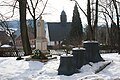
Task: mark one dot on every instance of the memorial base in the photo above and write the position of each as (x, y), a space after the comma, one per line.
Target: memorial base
(67, 66)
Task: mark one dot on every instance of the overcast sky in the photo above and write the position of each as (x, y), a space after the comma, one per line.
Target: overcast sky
(58, 5)
(53, 10)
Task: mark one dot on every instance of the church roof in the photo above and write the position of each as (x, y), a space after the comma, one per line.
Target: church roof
(58, 31)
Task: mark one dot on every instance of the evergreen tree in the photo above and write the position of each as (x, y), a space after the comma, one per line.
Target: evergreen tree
(76, 32)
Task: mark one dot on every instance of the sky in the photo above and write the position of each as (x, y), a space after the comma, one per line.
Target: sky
(53, 10)
(65, 5)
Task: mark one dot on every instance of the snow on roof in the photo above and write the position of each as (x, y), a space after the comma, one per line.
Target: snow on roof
(5, 45)
(90, 42)
(68, 55)
(78, 48)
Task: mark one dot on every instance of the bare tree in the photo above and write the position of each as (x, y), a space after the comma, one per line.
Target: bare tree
(118, 28)
(33, 11)
(96, 20)
(11, 6)
(106, 8)
(5, 26)
(23, 27)
(33, 8)
(89, 19)
(111, 9)
(108, 30)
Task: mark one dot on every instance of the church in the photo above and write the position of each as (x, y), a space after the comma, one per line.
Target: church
(58, 31)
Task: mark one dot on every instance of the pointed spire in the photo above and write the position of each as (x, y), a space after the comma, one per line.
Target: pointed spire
(63, 17)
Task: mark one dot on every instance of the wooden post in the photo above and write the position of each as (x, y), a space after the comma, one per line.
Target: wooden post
(67, 66)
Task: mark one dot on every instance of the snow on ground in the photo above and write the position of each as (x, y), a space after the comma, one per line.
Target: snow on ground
(11, 69)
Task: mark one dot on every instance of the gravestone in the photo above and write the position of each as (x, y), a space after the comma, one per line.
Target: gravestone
(41, 40)
(92, 51)
(79, 57)
(67, 66)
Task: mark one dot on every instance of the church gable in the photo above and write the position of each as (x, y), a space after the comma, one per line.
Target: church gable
(58, 31)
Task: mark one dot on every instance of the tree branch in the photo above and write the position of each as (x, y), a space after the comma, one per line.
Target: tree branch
(43, 9)
(28, 7)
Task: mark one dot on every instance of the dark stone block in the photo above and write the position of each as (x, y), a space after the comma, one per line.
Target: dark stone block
(67, 66)
(79, 57)
(92, 51)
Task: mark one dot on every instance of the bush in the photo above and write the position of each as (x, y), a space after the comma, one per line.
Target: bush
(36, 54)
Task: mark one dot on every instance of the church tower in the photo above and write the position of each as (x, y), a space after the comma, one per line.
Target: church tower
(63, 17)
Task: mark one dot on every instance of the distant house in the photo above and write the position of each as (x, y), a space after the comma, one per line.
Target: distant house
(58, 31)
(18, 40)
(4, 38)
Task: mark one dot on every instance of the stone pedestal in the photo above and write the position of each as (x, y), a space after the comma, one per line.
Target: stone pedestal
(41, 44)
(79, 57)
(41, 40)
(67, 66)
(92, 51)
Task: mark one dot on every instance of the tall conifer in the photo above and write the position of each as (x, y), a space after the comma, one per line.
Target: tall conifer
(76, 33)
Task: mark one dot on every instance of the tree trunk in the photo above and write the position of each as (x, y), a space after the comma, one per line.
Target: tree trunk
(89, 20)
(23, 27)
(35, 30)
(118, 29)
(96, 21)
(108, 31)
(34, 19)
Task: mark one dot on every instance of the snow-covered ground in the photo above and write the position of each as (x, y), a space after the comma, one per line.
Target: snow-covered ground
(11, 69)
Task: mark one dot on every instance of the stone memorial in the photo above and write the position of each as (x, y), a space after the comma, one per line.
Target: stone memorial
(41, 40)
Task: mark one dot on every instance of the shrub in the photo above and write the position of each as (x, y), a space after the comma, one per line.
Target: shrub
(36, 54)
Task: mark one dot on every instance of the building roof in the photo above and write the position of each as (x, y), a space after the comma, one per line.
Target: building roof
(17, 34)
(4, 38)
(58, 31)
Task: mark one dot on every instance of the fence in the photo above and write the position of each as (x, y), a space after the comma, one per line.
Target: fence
(11, 52)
